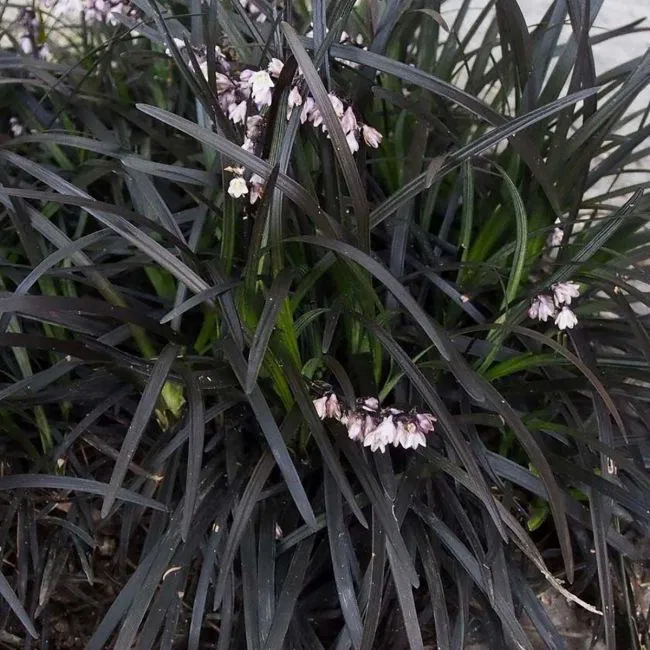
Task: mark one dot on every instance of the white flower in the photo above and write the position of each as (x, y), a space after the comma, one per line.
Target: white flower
(348, 121)
(203, 67)
(315, 116)
(371, 136)
(425, 422)
(307, 108)
(257, 188)
(261, 84)
(44, 52)
(294, 99)
(541, 308)
(564, 292)
(254, 126)
(178, 42)
(246, 75)
(237, 112)
(356, 425)
(320, 405)
(333, 408)
(352, 141)
(555, 238)
(328, 406)
(566, 319)
(17, 129)
(408, 436)
(26, 44)
(223, 82)
(237, 187)
(248, 145)
(344, 37)
(370, 404)
(275, 67)
(382, 435)
(337, 104)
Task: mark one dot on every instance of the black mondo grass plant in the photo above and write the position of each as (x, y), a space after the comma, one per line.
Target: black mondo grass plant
(322, 325)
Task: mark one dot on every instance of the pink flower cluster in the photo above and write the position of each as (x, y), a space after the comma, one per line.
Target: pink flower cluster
(244, 97)
(556, 306)
(375, 427)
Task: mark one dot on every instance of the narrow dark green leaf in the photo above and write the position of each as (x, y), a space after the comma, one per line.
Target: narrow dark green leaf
(382, 505)
(521, 221)
(205, 296)
(272, 434)
(138, 423)
(250, 591)
(431, 566)
(277, 295)
(202, 586)
(477, 146)
(266, 553)
(241, 518)
(340, 563)
(49, 482)
(471, 566)
(113, 220)
(291, 588)
(173, 173)
(406, 601)
(373, 585)
(196, 429)
(438, 336)
(16, 606)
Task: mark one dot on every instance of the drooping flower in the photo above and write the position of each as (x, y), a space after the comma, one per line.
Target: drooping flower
(315, 116)
(178, 42)
(337, 105)
(223, 82)
(381, 435)
(275, 67)
(320, 404)
(237, 187)
(555, 238)
(409, 436)
(349, 121)
(564, 292)
(333, 407)
(542, 308)
(370, 404)
(307, 107)
(353, 143)
(16, 127)
(371, 136)
(425, 421)
(328, 406)
(257, 188)
(566, 319)
(237, 112)
(254, 126)
(245, 76)
(295, 99)
(261, 84)
(356, 426)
